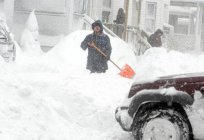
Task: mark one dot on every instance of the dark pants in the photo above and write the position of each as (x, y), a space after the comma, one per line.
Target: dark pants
(97, 70)
(101, 71)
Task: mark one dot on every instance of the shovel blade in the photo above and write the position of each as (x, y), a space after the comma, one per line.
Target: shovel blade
(127, 72)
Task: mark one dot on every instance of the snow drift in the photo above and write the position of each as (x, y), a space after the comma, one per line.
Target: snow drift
(54, 97)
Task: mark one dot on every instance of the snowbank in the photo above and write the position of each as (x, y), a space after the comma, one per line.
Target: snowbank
(69, 53)
(54, 97)
(160, 62)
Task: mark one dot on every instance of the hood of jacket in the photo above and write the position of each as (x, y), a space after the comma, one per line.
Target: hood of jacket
(98, 23)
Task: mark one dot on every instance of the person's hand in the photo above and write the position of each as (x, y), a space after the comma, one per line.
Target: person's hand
(91, 44)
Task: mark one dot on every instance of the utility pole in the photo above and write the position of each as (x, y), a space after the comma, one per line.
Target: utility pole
(126, 18)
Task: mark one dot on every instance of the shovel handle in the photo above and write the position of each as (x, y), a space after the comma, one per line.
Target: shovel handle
(115, 64)
(105, 56)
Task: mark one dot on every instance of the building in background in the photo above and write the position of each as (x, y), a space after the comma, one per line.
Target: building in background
(53, 16)
(154, 14)
(187, 19)
(183, 18)
(58, 17)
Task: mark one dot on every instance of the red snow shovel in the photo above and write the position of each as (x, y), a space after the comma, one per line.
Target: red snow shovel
(126, 71)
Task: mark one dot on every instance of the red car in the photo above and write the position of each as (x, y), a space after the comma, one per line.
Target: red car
(157, 109)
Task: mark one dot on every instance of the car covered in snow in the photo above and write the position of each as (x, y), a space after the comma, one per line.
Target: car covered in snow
(158, 109)
(7, 46)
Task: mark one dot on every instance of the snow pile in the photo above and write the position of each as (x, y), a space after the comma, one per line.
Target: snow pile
(160, 62)
(68, 53)
(29, 40)
(54, 97)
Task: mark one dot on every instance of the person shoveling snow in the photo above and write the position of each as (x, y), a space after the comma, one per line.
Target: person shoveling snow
(99, 51)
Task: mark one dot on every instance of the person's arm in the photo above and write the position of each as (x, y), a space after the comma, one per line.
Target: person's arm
(150, 40)
(84, 44)
(107, 49)
(144, 34)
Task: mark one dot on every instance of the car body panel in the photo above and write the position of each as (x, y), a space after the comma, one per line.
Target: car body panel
(156, 96)
(188, 83)
(160, 90)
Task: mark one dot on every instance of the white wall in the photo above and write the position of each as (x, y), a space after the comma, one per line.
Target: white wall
(159, 14)
(133, 13)
(142, 14)
(162, 16)
(96, 9)
(9, 9)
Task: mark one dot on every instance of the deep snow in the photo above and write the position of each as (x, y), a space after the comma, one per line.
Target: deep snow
(29, 40)
(53, 96)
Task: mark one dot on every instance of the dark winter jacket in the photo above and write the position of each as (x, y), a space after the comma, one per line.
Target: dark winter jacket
(120, 19)
(96, 62)
(155, 39)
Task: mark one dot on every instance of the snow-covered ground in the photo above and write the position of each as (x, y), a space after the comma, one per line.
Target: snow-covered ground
(53, 96)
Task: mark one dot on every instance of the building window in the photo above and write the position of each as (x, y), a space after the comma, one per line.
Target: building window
(150, 17)
(80, 6)
(105, 16)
